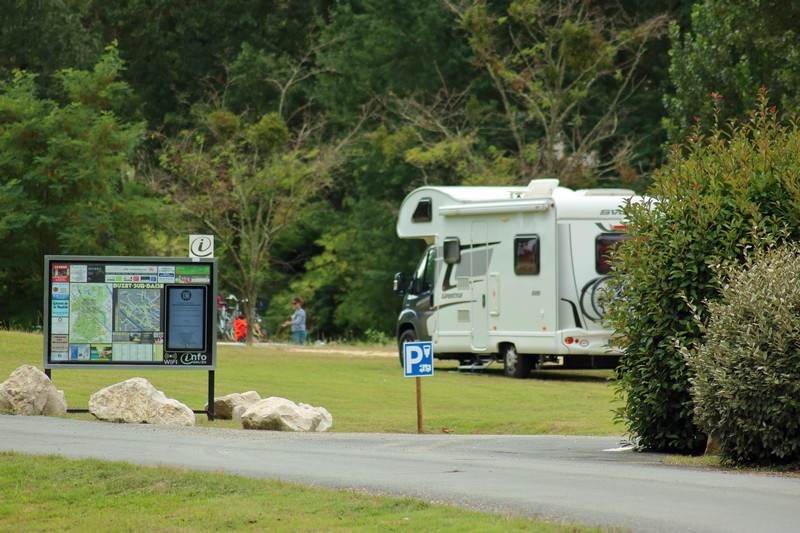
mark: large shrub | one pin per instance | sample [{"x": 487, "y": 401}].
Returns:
[
  {"x": 715, "y": 197},
  {"x": 746, "y": 384}
]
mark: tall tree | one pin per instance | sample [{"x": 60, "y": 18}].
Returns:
[
  {"x": 246, "y": 184},
  {"x": 643, "y": 120},
  {"x": 370, "y": 50},
  {"x": 66, "y": 179},
  {"x": 45, "y": 37},
  {"x": 178, "y": 52},
  {"x": 350, "y": 279},
  {"x": 376, "y": 48},
  {"x": 732, "y": 48},
  {"x": 562, "y": 71}
]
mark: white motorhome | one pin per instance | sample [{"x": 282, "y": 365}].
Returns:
[{"x": 511, "y": 274}]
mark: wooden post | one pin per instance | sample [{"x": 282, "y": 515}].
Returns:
[{"x": 419, "y": 404}]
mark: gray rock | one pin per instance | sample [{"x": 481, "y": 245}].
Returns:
[
  {"x": 136, "y": 401},
  {"x": 238, "y": 411},
  {"x": 28, "y": 391},
  {"x": 225, "y": 406},
  {"x": 280, "y": 414}
]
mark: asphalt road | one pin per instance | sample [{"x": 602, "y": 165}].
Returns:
[{"x": 588, "y": 480}]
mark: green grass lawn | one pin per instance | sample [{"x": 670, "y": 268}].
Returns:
[
  {"x": 363, "y": 393},
  {"x": 56, "y": 494}
]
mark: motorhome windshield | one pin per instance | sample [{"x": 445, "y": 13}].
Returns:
[{"x": 424, "y": 277}]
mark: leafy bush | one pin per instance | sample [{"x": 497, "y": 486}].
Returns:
[
  {"x": 223, "y": 124},
  {"x": 716, "y": 197},
  {"x": 746, "y": 384},
  {"x": 375, "y": 336}
]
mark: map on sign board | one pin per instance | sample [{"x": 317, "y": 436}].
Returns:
[
  {"x": 138, "y": 310},
  {"x": 90, "y": 306}
]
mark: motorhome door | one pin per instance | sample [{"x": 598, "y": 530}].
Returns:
[{"x": 479, "y": 266}]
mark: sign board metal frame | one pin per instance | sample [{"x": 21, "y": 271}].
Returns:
[{"x": 114, "y": 312}]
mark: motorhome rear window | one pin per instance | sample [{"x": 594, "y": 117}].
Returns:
[
  {"x": 424, "y": 211},
  {"x": 604, "y": 244},
  {"x": 526, "y": 255}
]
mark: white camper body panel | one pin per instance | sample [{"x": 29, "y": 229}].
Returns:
[
  {"x": 481, "y": 302},
  {"x": 484, "y": 300}
]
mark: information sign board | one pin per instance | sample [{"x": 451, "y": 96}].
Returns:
[
  {"x": 129, "y": 312},
  {"x": 417, "y": 359}
]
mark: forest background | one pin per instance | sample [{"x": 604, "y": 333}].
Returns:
[{"x": 292, "y": 130}]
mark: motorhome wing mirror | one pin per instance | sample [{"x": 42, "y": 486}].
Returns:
[
  {"x": 452, "y": 250},
  {"x": 399, "y": 285}
]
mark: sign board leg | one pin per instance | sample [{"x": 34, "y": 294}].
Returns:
[
  {"x": 210, "y": 411},
  {"x": 419, "y": 405}
]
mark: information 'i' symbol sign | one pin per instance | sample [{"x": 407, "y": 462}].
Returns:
[{"x": 201, "y": 246}]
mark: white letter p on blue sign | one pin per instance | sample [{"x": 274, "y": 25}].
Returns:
[{"x": 418, "y": 359}]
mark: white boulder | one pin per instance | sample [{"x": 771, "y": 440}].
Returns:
[
  {"x": 28, "y": 391},
  {"x": 281, "y": 414},
  {"x": 136, "y": 401},
  {"x": 238, "y": 411},
  {"x": 225, "y": 406}
]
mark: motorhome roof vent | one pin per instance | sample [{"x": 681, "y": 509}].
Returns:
[{"x": 541, "y": 187}]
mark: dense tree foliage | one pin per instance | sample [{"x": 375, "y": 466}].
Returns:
[
  {"x": 44, "y": 37},
  {"x": 732, "y": 48},
  {"x": 245, "y": 184},
  {"x": 448, "y": 92},
  {"x": 370, "y": 54},
  {"x": 178, "y": 52},
  {"x": 561, "y": 71},
  {"x": 67, "y": 182},
  {"x": 374, "y": 49}
]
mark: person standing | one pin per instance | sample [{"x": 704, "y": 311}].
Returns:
[
  {"x": 239, "y": 329},
  {"x": 298, "y": 321}
]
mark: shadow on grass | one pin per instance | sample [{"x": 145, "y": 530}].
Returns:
[{"x": 572, "y": 375}]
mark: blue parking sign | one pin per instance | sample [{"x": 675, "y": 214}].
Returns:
[{"x": 417, "y": 359}]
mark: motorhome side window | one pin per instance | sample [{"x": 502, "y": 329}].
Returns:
[
  {"x": 604, "y": 244},
  {"x": 526, "y": 255},
  {"x": 423, "y": 279},
  {"x": 423, "y": 211}
]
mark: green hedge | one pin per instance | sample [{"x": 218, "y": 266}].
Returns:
[
  {"x": 746, "y": 384},
  {"x": 716, "y": 196}
]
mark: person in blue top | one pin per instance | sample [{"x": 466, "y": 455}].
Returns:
[{"x": 298, "y": 321}]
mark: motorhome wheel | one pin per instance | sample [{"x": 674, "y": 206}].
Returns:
[
  {"x": 408, "y": 335},
  {"x": 514, "y": 364}
]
